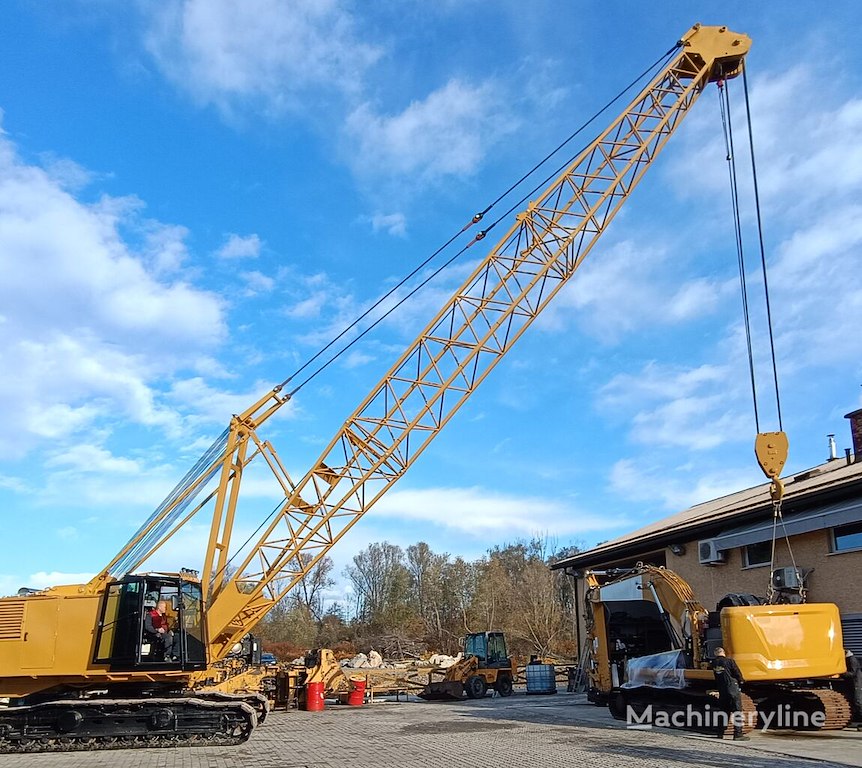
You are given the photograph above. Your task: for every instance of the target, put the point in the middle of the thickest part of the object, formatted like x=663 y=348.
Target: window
x=757 y=554
x=846 y=537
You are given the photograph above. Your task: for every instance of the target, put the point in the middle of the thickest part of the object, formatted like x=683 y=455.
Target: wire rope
x=475 y=220
x=727 y=127
x=762 y=248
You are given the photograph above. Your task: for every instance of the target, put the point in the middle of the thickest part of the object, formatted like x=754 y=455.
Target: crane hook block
x=771 y=451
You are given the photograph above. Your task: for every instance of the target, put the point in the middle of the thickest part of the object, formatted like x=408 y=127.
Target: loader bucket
x=445 y=690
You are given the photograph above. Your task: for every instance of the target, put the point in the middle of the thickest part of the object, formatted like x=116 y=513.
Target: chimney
x=833 y=450
x=856 y=431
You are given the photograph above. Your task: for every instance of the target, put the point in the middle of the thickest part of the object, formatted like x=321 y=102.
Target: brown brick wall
x=837 y=578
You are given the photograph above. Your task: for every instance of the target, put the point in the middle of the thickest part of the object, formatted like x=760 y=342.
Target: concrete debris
x=443 y=661
x=359 y=661
x=372 y=661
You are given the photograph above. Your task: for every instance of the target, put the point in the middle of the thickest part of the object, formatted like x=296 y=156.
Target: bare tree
x=426 y=574
x=310 y=590
x=381 y=584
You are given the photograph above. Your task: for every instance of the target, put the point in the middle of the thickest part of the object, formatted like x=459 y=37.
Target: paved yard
x=546 y=731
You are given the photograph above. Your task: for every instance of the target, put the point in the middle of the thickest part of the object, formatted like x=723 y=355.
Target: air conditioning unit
x=709 y=554
x=788 y=578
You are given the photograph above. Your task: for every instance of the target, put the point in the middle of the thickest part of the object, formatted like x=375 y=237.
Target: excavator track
x=93 y=724
x=795 y=709
x=685 y=710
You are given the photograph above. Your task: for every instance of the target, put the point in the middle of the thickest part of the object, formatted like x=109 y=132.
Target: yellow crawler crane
x=652 y=642
x=79 y=664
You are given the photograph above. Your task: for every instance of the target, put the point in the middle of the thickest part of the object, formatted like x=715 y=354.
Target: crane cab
x=127 y=639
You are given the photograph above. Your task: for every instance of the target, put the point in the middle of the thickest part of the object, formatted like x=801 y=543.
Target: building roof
x=820 y=484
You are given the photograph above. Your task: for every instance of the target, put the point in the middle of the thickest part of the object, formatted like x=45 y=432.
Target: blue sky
x=194 y=196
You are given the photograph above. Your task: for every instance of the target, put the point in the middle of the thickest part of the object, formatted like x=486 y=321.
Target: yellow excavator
x=651 y=644
x=485 y=663
x=100 y=664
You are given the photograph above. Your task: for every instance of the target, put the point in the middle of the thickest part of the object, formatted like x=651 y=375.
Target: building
x=725 y=545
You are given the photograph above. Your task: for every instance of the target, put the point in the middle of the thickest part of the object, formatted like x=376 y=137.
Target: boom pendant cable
x=658 y=63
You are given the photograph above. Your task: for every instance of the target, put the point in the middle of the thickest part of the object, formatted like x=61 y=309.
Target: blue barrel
x=541 y=678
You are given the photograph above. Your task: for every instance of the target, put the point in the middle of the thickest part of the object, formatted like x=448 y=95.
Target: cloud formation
x=90 y=322
x=266 y=54
x=447 y=133
x=238 y=247
x=484 y=513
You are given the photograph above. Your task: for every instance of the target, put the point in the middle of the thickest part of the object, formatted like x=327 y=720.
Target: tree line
x=415 y=601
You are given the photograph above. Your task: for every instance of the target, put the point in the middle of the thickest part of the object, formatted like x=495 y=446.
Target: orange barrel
x=356 y=697
x=314 y=697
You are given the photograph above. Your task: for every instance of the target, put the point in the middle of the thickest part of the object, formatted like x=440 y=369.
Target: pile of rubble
x=375 y=661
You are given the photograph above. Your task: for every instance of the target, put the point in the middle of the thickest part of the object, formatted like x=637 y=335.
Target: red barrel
x=356 y=697
x=313 y=697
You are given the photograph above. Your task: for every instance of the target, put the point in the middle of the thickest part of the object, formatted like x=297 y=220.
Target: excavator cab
x=123 y=639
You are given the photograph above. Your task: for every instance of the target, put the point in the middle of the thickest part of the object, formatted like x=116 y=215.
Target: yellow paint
x=784 y=642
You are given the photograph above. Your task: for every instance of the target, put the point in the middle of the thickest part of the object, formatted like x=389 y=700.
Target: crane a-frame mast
x=438 y=372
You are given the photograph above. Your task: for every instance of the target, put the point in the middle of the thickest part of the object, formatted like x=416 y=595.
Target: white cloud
x=65 y=172
x=482 y=513
x=817 y=301
x=686 y=487
x=655 y=382
x=15 y=484
x=89 y=327
x=257 y=282
x=264 y=53
x=238 y=247
x=639 y=279
x=446 y=134
x=164 y=248
x=394 y=224
x=214 y=406
x=673 y=406
x=42 y=579
x=83 y=458
x=308 y=306
x=276 y=57
x=815 y=163
x=357 y=359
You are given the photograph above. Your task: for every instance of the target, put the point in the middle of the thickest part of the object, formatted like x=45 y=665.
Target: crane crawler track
x=82 y=725
x=257 y=701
